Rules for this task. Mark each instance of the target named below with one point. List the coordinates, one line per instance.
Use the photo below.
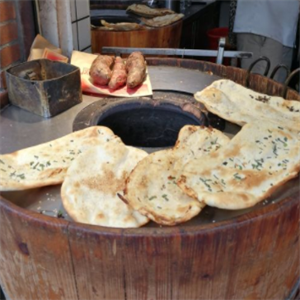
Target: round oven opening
(147, 125)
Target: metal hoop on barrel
(287, 81)
(254, 63)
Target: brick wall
(17, 32)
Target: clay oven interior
(144, 122)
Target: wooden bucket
(163, 37)
(252, 256)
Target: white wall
(66, 24)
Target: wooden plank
(35, 255)
(97, 254)
(148, 264)
(285, 264)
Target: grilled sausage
(136, 68)
(119, 74)
(100, 70)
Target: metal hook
(281, 66)
(287, 81)
(254, 63)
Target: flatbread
(148, 12)
(240, 105)
(122, 26)
(258, 160)
(89, 192)
(163, 20)
(196, 141)
(47, 164)
(151, 188)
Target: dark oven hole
(147, 125)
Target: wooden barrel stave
(251, 257)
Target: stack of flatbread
(92, 164)
(107, 183)
(151, 17)
(259, 159)
(240, 105)
(154, 17)
(47, 164)
(151, 188)
(209, 168)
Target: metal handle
(175, 52)
(278, 67)
(254, 63)
(221, 49)
(287, 81)
(258, 60)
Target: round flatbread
(92, 184)
(151, 188)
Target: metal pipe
(175, 52)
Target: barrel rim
(251, 216)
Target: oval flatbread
(240, 105)
(162, 20)
(122, 26)
(47, 164)
(151, 188)
(94, 180)
(148, 12)
(259, 159)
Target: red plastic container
(213, 38)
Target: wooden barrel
(163, 37)
(252, 256)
